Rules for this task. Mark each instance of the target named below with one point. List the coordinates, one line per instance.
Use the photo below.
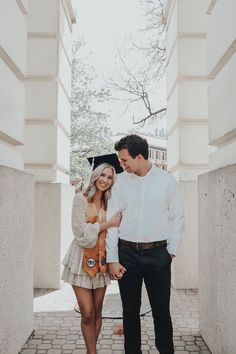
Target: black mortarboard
(112, 159)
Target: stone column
(217, 188)
(16, 186)
(187, 120)
(47, 130)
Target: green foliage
(88, 124)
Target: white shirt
(151, 210)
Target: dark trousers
(152, 266)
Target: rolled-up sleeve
(85, 233)
(176, 216)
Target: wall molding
(168, 11)
(185, 35)
(172, 50)
(223, 60)
(70, 12)
(192, 35)
(225, 139)
(43, 35)
(186, 166)
(181, 122)
(45, 166)
(64, 50)
(64, 89)
(181, 78)
(53, 78)
(51, 35)
(11, 64)
(9, 140)
(211, 6)
(22, 7)
(47, 121)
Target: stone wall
(217, 259)
(16, 259)
(217, 189)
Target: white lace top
(85, 235)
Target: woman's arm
(85, 233)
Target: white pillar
(217, 189)
(48, 87)
(187, 120)
(16, 186)
(13, 43)
(48, 115)
(52, 235)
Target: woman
(85, 264)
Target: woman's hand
(116, 219)
(116, 270)
(113, 222)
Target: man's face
(128, 163)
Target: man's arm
(176, 216)
(112, 232)
(116, 270)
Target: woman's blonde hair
(91, 190)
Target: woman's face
(105, 180)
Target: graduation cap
(112, 159)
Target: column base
(185, 265)
(217, 255)
(53, 233)
(16, 261)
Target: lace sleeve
(85, 233)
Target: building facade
(187, 120)
(35, 195)
(158, 154)
(201, 80)
(217, 188)
(35, 85)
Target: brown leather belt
(143, 245)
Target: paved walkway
(57, 325)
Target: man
(146, 241)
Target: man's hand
(116, 270)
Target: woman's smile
(105, 179)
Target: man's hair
(134, 144)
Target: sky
(106, 25)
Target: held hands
(116, 270)
(116, 219)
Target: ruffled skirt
(84, 280)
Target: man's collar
(149, 171)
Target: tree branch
(153, 114)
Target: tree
(154, 49)
(87, 122)
(142, 66)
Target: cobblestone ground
(57, 326)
